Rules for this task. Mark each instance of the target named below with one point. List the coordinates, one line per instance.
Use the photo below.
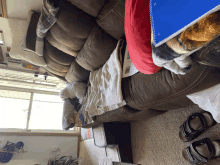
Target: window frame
(27, 131)
(3, 9)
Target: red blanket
(138, 35)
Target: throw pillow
(31, 42)
(18, 27)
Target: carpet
(156, 141)
(90, 153)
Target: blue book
(171, 17)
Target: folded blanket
(103, 94)
(104, 89)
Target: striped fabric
(39, 25)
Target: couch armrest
(124, 114)
(142, 91)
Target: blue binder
(171, 17)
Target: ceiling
(16, 9)
(20, 8)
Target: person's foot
(196, 124)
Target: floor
(154, 141)
(90, 153)
(86, 148)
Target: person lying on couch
(173, 55)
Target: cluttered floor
(154, 141)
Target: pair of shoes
(205, 149)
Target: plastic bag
(209, 100)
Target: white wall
(39, 147)
(20, 8)
(23, 162)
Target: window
(13, 113)
(35, 112)
(46, 112)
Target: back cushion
(77, 73)
(97, 49)
(91, 7)
(71, 29)
(57, 55)
(58, 73)
(54, 65)
(111, 18)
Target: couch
(87, 34)
(83, 39)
